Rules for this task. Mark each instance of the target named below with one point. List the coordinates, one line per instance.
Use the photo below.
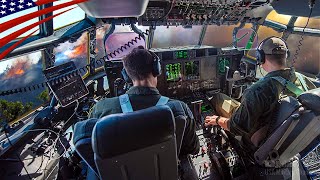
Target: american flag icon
(8, 8)
(12, 6)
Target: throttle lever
(235, 77)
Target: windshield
(73, 51)
(69, 17)
(121, 36)
(308, 58)
(176, 36)
(19, 72)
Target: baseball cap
(274, 45)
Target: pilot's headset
(261, 54)
(156, 70)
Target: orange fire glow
(17, 69)
(19, 72)
(77, 51)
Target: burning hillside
(18, 68)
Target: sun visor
(295, 8)
(114, 8)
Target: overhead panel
(199, 12)
(114, 8)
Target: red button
(206, 165)
(203, 149)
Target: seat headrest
(83, 129)
(121, 133)
(311, 99)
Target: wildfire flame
(17, 69)
(77, 51)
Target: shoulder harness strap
(289, 85)
(302, 81)
(127, 107)
(125, 103)
(162, 101)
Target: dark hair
(279, 59)
(138, 63)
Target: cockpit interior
(59, 58)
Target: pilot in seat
(143, 67)
(260, 101)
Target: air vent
(213, 51)
(167, 55)
(200, 52)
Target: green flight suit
(258, 104)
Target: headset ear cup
(156, 65)
(288, 53)
(260, 56)
(157, 68)
(263, 57)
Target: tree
(28, 106)
(44, 96)
(12, 110)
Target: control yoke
(231, 82)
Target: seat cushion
(311, 99)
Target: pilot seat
(83, 131)
(136, 145)
(293, 133)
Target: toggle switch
(204, 149)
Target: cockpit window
(73, 51)
(176, 36)
(117, 40)
(314, 23)
(309, 55)
(263, 33)
(220, 36)
(69, 17)
(122, 35)
(100, 32)
(22, 25)
(280, 18)
(19, 72)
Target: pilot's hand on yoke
(217, 121)
(211, 120)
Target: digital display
(173, 72)
(222, 63)
(192, 70)
(66, 83)
(206, 108)
(182, 54)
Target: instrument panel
(189, 69)
(199, 12)
(66, 83)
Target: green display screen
(173, 72)
(192, 70)
(206, 108)
(222, 63)
(182, 54)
